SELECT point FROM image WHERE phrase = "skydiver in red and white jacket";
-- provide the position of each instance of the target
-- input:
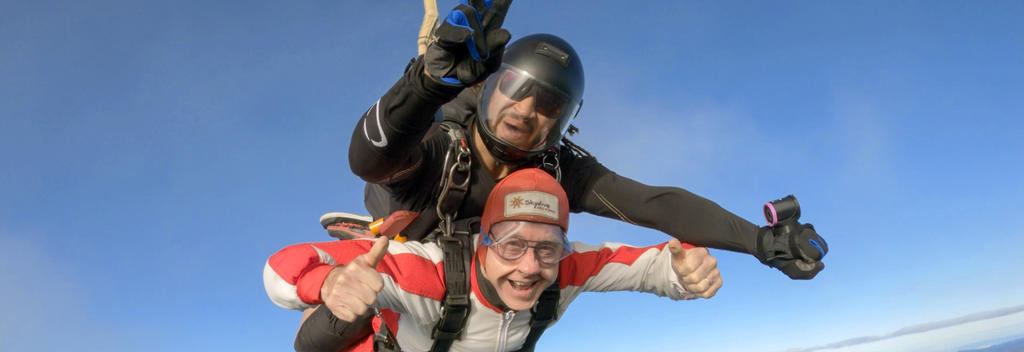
(528, 209)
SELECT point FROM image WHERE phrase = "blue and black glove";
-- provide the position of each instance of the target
(469, 43)
(796, 253)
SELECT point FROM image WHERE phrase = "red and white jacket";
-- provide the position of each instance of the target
(413, 275)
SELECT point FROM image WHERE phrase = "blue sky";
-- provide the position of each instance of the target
(155, 154)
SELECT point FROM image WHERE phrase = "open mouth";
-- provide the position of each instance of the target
(515, 133)
(522, 285)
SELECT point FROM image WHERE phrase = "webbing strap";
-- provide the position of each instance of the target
(383, 340)
(458, 253)
(454, 240)
(543, 314)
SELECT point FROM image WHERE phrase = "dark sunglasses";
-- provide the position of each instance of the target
(517, 86)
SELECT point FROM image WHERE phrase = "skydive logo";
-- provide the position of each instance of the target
(537, 204)
(531, 203)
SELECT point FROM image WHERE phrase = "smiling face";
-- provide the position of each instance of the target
(520, 281)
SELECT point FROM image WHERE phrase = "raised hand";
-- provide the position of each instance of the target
(797, 253)
(696, 268)
(350, 290)
(469, 43)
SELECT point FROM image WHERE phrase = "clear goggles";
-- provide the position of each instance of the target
(510, 244)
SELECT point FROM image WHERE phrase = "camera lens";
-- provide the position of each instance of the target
(782, 209)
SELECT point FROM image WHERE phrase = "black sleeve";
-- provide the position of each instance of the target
(693, 219)
(384, 143)
(324, 332)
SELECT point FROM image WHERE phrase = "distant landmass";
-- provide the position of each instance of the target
(936, 336)
(1009, 346)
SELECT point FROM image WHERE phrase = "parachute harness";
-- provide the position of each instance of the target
(455, 235)
(456, 245)
(455, 242)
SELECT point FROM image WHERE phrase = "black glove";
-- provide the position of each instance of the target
(797, 254)
(469, 43)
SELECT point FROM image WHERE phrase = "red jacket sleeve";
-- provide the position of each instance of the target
(293, 276)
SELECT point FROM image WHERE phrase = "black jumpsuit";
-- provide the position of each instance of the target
(409, 167)
(393, 151)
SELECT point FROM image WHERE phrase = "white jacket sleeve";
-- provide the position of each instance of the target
(618, 267)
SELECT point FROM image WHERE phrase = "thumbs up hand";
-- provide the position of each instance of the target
(350, 290)
(696, 269)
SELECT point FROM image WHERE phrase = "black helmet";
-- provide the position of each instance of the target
(541, 69)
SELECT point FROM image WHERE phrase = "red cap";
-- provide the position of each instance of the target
(528, 194)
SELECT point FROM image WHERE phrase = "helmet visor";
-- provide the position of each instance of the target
(524, 112)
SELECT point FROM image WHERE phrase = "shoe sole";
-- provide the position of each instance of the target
(337, 216)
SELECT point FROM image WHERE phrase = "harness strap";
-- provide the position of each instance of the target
(455, 240)
(456, 244)
(455, 307)
(383, 340)
(543, 314)
(458, 252)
